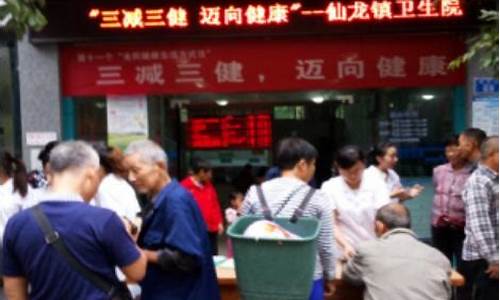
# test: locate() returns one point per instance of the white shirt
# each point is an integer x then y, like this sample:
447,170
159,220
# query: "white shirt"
12,202
356,209
8,208
116,194
31,196
51,196
391,179
231,215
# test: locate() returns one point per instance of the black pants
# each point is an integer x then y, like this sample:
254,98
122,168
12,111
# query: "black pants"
478,284
450,242
212,237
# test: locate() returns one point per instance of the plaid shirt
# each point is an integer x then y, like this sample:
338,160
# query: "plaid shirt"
481,208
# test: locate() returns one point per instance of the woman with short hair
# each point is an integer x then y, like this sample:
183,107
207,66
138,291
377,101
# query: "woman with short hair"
355,200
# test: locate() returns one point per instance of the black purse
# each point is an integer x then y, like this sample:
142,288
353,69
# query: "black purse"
114,292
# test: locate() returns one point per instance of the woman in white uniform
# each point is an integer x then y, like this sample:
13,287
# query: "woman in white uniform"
383,158
355,199
14,190
116,194
15,193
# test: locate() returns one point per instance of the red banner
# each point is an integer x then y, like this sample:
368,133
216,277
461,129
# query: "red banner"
260,65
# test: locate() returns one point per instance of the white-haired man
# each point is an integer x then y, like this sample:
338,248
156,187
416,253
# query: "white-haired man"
95,238
174,235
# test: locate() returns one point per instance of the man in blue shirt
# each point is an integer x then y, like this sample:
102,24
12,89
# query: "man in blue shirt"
174,235
96,237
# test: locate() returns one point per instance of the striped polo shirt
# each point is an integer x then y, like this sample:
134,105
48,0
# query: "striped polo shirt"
277,192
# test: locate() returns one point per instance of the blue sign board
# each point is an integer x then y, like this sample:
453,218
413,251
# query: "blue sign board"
485,85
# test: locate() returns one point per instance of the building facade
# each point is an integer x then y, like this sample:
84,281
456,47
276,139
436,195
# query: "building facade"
226,82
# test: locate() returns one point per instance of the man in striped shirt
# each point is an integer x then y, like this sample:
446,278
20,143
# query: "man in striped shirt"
297,161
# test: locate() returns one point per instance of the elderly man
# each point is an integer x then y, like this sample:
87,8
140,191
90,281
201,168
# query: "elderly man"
469,145
174,235
480,251
93,238
398,266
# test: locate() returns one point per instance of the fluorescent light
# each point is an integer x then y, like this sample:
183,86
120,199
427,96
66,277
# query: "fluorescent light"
222,102
428,97
318,99
349,99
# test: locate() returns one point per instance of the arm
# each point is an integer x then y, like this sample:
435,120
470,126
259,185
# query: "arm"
183,240
247,206
353,270
399,193
16,288
340,238
456,279
216,210
172,260
127,256
326,242
403,193
476,198
136,271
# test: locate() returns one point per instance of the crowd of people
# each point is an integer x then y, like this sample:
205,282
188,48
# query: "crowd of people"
80,220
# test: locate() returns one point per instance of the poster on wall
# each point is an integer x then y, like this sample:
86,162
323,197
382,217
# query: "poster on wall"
485,104
404,127
127,119
485,113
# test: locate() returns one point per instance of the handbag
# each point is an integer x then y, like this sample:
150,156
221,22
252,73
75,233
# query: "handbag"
52,237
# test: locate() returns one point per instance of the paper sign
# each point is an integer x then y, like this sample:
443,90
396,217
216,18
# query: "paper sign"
40,138
127,119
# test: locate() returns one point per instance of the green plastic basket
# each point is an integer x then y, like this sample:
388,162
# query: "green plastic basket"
271,269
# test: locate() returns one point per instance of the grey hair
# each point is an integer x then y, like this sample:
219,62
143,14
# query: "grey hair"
73,155
148,150
394,215
489,146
